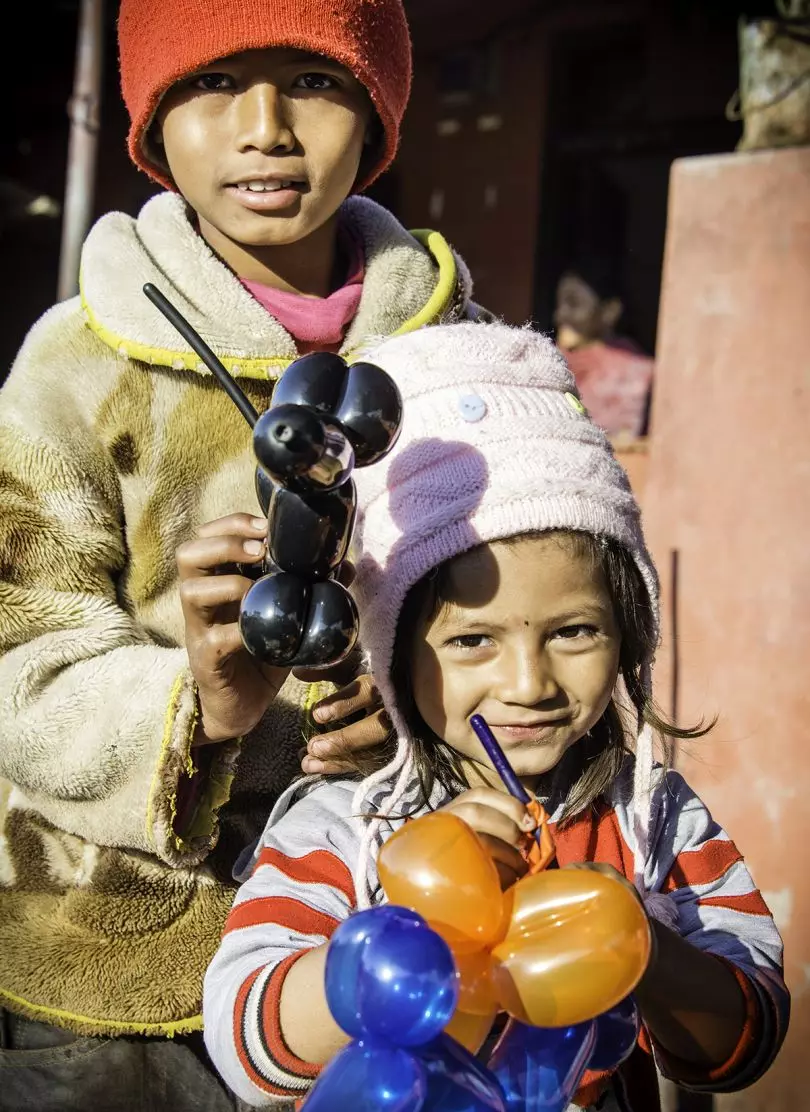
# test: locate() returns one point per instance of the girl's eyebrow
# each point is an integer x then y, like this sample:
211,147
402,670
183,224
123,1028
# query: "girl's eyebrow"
589,610
453,614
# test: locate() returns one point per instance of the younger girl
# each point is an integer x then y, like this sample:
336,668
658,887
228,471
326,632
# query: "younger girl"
503,572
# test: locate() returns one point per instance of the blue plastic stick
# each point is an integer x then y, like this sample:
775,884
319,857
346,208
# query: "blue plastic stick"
498,758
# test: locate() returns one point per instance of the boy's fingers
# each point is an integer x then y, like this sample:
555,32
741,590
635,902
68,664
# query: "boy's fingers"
241,525
208,593
369,732
205,555
359,695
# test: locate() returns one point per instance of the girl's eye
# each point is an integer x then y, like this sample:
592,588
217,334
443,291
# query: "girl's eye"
575,632
317,82
470,641
214,82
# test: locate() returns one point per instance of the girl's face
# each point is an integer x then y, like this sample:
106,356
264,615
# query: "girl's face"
264,145
528,639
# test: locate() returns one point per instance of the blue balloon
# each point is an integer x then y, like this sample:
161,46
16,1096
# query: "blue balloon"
390,978
344,959
540,1068
369,1078
616,1035
456,1081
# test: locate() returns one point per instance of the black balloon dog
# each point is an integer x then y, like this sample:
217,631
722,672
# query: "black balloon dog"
326,418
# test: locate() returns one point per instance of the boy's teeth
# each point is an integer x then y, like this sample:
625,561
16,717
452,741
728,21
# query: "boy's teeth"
264,186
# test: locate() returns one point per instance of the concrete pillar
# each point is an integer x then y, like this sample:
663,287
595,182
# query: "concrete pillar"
728,490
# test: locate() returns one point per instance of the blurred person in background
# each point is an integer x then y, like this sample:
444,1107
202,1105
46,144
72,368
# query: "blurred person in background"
613,374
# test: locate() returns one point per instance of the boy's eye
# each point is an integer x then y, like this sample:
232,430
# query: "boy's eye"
212,82
317,82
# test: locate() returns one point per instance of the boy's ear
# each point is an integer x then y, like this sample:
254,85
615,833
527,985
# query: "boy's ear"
154,149
372,146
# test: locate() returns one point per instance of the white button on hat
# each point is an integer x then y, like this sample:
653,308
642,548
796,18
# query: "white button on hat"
471,407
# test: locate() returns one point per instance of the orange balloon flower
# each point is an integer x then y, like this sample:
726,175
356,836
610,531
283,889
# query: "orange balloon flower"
557,948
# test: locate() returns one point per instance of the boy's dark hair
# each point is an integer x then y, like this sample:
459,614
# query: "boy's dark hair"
590,766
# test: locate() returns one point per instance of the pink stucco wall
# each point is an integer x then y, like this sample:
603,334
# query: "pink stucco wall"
727,488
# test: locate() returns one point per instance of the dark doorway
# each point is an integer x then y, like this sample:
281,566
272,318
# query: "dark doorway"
625,99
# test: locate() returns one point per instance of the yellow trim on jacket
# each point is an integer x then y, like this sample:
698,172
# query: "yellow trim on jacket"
58,1017
262,368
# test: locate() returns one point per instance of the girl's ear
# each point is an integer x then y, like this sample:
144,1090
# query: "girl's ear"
610,311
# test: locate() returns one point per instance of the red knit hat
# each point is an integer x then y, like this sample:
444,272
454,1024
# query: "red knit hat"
161,41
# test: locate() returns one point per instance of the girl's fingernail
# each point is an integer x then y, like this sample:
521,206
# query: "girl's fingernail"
312,766
320,748
258,523
528,823
253,548
322,714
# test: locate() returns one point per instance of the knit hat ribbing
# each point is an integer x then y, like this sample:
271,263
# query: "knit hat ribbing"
494,443
161,41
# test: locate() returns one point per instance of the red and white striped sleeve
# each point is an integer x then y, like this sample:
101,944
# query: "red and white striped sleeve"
298,890
720,911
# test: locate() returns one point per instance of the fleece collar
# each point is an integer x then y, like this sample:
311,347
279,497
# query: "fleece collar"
411,280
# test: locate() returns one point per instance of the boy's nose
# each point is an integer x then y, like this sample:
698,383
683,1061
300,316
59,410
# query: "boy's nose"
261,120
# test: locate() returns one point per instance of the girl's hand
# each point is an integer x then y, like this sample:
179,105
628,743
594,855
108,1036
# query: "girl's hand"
360,701
606,870
501,822
235,690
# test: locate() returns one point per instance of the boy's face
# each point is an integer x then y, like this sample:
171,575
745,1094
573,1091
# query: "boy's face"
264,145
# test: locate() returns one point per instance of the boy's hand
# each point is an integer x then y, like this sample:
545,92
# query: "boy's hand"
327,752
235,690
501,822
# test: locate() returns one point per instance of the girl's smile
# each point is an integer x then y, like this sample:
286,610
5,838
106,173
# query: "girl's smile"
526,636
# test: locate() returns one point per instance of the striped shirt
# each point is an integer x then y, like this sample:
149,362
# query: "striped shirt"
297,887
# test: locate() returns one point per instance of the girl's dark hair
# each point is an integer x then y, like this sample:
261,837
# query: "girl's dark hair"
589,767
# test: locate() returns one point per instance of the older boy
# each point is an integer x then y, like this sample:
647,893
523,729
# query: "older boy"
143,744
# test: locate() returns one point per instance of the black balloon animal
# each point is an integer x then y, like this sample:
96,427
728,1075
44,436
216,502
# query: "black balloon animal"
326,418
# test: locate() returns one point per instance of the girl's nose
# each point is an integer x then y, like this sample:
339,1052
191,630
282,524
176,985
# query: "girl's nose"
261,120
527,678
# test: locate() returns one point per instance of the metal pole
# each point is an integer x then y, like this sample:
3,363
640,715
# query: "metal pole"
83,111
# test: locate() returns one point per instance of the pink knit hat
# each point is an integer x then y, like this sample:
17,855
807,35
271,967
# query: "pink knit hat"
494,443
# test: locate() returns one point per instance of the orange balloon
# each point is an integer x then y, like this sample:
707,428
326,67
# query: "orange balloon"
578,942
438,867
469,1029
476,993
